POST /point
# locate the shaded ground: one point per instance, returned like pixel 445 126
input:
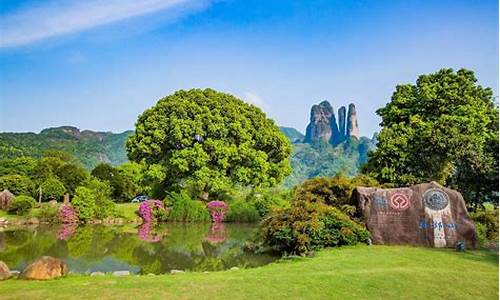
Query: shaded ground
pixel 362 272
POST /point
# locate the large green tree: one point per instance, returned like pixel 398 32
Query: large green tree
pixel 210 141
pixel 443 128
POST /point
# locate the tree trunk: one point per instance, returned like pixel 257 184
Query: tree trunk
pixel 204 196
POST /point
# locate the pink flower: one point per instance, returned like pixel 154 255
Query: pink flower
pixel 67 214
pixel 148 208
pixel 218 210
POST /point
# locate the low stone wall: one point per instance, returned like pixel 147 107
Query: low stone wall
pixel 426 214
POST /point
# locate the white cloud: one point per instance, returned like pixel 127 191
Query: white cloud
pixel 256 100
pixel 253 98
pixel 56 17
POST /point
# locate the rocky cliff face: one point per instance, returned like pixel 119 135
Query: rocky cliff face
pixel 323 124
pixel 352 122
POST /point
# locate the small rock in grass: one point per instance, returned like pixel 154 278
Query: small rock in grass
pixel 33 220
pixel 234 268
pixel 15 273
pixel 97 274
pixel 176 271
pixel 121 273
pixel 151 274
pixel 4 271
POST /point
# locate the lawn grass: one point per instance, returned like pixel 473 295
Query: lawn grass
pixel 128 211
pixel 361 272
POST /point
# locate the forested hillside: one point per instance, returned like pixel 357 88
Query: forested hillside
pixel 89 147
pixel 319 159
pixel 308 159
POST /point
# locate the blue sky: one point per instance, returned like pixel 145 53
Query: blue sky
pixel 98 64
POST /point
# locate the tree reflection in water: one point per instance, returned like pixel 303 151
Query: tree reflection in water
pixel 148 248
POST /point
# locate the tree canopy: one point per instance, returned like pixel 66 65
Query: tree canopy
pixel 443 128
pixel 210 140
pixel 123 186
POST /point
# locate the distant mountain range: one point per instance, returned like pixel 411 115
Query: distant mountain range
pixel 326 150
pixel 89 147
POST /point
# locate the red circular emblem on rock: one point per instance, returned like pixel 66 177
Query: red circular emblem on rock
pixel 400 201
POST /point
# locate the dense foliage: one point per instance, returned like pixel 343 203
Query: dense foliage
pixel 21 205
pixel 318 217
pixel 210 140
pixel 52 189
pixel 486 220
pixel 184 208
pixel 243 211
pixel 92 201
pixel 443 128
pixel 122 184
pixel 307 226
pixel 334 191
pixel 48 213
pixel 17 184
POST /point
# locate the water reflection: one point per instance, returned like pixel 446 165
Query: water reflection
pixel 217 234
pixel 144 249
pixel 66 231
pixel 150 233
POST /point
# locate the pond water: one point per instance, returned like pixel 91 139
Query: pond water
pixel 140 249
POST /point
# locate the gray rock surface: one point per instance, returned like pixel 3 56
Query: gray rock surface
pixel 352 122
pixel 121 273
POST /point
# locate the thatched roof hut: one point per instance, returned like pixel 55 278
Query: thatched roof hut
pixel 5 199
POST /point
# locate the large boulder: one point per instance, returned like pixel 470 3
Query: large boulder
pixel 426 214
pixel 46 267
pixel 4 271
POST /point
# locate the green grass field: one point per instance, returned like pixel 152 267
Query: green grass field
pixel 362 272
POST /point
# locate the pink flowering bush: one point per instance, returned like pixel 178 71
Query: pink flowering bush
pixel 152 211
pixel 218 210
pixel 67 214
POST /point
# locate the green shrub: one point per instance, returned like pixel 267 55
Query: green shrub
pixel 84 203
pixel 48 213
pixel 487 216
pixel 17 184
pixel 52 188
pixel 242 211
pixel 183 208
pixel 482 234
pixel 266 201
pixel 307 226
pixel 334 191
pixel 102 191
pixel 21 205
